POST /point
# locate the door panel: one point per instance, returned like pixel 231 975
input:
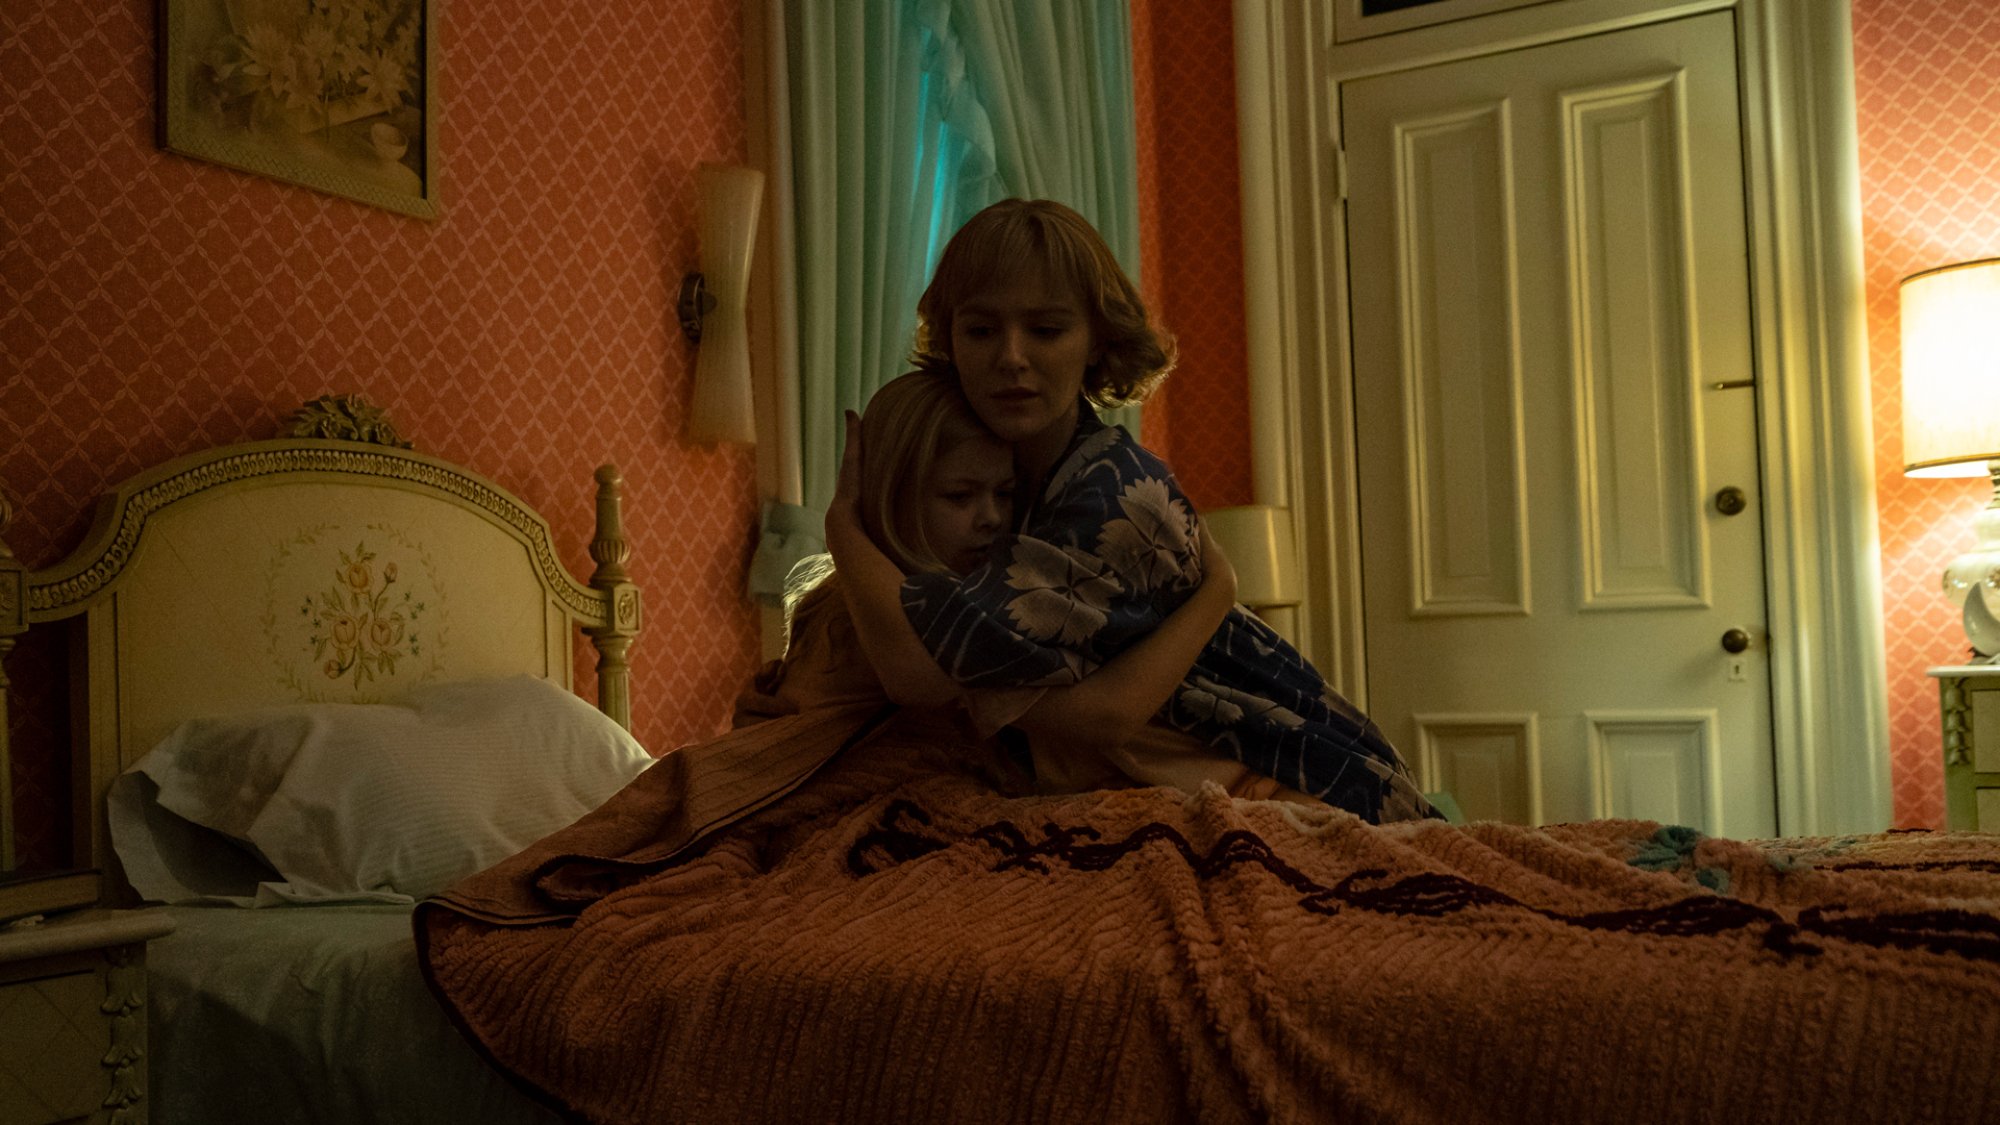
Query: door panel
pixel 1489 763
pixel 1626 220
pixel 1459 383
pixel 1548 268
pixel 1654 765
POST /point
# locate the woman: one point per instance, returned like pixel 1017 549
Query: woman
pixel 1031 317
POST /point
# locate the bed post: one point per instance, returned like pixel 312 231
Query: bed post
pixel 614 638
pixel 13 622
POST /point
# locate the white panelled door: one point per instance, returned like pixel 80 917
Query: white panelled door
pixel 1561 533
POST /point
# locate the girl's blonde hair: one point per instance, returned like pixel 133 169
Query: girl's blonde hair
pixel 1015 236
pixel 910 422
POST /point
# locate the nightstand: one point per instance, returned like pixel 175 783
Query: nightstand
pixel 1969 698
pixel 73 1018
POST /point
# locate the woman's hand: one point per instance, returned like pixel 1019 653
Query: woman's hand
pixel 847 486
pixel 843 514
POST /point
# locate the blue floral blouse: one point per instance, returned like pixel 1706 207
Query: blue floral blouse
pixel 1101 557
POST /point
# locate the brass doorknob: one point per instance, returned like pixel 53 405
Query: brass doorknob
pixel 1735 640
pixel 1731 500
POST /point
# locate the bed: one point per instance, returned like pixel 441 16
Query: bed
pixel 321 574
pixel 842 912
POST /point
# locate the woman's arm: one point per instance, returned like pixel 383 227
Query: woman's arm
pixel 871 583
pixel 1102 711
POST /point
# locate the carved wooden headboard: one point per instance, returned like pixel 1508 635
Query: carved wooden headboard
pixel 333 565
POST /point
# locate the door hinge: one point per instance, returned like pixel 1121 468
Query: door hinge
pixel 1340 172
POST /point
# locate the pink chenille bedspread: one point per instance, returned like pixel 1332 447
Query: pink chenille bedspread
pixel 833 917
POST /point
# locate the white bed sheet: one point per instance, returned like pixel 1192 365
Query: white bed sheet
pixel 309 1014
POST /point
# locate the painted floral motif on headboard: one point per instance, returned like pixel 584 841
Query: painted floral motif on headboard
pixel 362 628
pixel 351 623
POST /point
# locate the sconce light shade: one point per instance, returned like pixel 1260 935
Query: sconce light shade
pixel 1951 370
pixel 1951 417
pixel 1258 540
pixel 729 198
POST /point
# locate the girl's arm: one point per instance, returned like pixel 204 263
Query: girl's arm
pixel 1102 711
pixel 871 584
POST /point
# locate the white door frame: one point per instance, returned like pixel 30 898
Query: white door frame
pixel 1816 450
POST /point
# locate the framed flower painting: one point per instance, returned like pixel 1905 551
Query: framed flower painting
pixel 337 95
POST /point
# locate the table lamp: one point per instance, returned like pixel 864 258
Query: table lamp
pixel 1258 540
pixel 1951 417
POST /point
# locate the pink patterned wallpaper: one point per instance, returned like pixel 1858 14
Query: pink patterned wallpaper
pixel 1156 422
pixel 1929 105
pixel 152 305
pixel 1192 242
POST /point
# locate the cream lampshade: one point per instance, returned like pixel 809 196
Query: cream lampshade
pixel 713 303
pixel 1951 416
pixel 1258 540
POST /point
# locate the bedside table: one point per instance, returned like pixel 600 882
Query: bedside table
pixel 73 1018
pixel 1969 699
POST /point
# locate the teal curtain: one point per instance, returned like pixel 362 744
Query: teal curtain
pixel 908 116
pixel 1054 80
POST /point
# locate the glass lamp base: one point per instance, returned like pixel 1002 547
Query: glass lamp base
pixel 1981 627
pixel 1972 580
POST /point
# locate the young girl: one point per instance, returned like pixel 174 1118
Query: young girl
pixel 1030 316
pixel 932 494
pixel 935 495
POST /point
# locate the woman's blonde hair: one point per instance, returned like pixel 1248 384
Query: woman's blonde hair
pixel 1015 236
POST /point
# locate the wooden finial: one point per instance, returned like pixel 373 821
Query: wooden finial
pixel 613 640
pixel 608 548
pixel 13 584
pixel 13 622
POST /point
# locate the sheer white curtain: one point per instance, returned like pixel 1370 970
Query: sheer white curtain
pixel 906 117
pixel 1054 79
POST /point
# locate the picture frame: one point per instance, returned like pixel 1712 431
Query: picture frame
pixel 336 95
pixel 1355 20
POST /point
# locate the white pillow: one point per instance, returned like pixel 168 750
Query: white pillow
pixel 380 801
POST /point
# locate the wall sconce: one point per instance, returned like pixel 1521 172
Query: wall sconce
pixel 1258 540
pixel 1951 417
pixel 712 304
